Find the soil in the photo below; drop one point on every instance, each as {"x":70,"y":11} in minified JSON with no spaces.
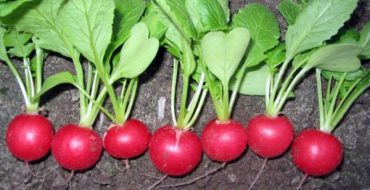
{"x":62,"y":104}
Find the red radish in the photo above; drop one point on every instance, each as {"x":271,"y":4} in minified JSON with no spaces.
{"x":269,"y":137}
{"x":29,"y":136}
{"x":127,"y":141}
{"x":224,"y":141}
{"x":76,"y":148}
{"x":174,"y":151}
{"x":316,"y":153}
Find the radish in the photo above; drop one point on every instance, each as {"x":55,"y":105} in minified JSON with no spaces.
{"x":269,"y":137}
{"x":174,"y":151}
{"x":76,"y":148}
{"x":28,"y":137}
{"x":127,"y":141}
{"x":317,"y":152}
{"x":223,"y":139}
{"x":29,"y":134}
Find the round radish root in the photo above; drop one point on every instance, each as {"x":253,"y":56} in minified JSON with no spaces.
{"x":127,"y":141}
{"x":269,"y":137}
{"x":224,"y":141}
{"x":175,"y":152}
{"x":76,"y":148}
{"x":29,"y":137}
{"x":316,"y":153}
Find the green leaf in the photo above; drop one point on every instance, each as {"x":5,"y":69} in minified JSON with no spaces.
{"x":222,"y":52}
{"x":6,"y":7}
{"x":225,"y":7}
{"x":64,"y":77}
{"x":88,"y":25}
{"x":206,"y":15}
{"x":156,"y":28}
{"x":177,"y":13}
{"x":276,"y":56}
{"x":350,"y":76}
{"x":318,"y":21}
{"x":3,"y":54}
{"x":18,"y":43}
{"x":337,"y":57}
{"x":264,"y":30}
{"x":254,"y":82}
{"x":126,"y":15}
{"x":347,"y":36}
{"x":365,"y":41}
{"x":300,"y":59}
{"x":290,"y":10}
{"x":41,"y":19}
{"x":137,"y":53}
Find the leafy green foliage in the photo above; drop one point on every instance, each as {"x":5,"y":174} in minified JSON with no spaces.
{"x":152,"y":20}
{"x":337,"y":57}
{"x":126,"y":15}
{"x":222,"y":52}
{"x":6,"y":7}
{"x":365,"y":41}
{"x":64,"y":77}
{"x":340,"y":95}
{"x":18,"y":43}
{"x":137,"y":53}
{"x":41,"y":19}
{"x":207,"y":15}
{"x":3,"y":54}
{"x":88,"y":25}
{"x":177,"y":13}
{"x":276,"y":56}
{"x":290,"y":10}
{"x":318,"y":21}
{"x":264,"y":30}
{"x":254,"y":82}
{"x":347,"y":35}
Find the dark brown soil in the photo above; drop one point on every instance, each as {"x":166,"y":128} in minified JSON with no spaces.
{"x":62,"y":103}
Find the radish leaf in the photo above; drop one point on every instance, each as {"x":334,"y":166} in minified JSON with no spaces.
{"x":225,"y":6}
{"x":177,"y":13}
{"x":3,"y":54}
{"x":206,"y":15}
{"x":6,"y":7}
{"x":222,"y":52}
{"x":365,"y":41}
{"x":264,"y":31}
{"x":42,"y":20}
{"x":88,"y":24}
{"x":318,"y":21}
{"x":337,"y":57}
{"x":152,"y":20}
{"x":18,"y":43}
{"x":290,"y":10}
{"x":137,"y":53}
{"x":64,"y":77}
{"x":254,"y":82}
{"x":126,"y":15}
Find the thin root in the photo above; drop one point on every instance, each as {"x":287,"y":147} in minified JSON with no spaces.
{"x":303,"y":180}
{"x":157,"y":182}
{"x":38,"y":175}
{"x":259,"y":174}
{"x":208,"y":173}
{"x":124,"y":162}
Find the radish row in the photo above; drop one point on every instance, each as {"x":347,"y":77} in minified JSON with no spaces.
{"x":213,"y":53}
